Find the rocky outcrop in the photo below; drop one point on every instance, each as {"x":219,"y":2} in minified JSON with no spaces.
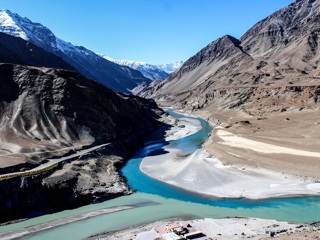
{"x":80,"y":181}
{"x":46,"y":113}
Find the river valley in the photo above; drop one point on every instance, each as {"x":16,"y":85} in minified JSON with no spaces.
{"x":156,"y":200}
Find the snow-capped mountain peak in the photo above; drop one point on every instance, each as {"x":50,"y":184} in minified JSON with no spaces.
{"x":153,"y":72}
{"x":9,"y":24}
{"x":15,"y":25}
{"x":171,"y":67}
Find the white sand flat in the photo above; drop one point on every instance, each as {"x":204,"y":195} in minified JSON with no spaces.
{"x":200,"y":173}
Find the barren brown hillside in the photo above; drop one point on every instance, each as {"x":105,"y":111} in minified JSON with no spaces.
{"x":265,"y":86}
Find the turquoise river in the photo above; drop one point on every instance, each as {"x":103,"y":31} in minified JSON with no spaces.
{"x":155,"y":200}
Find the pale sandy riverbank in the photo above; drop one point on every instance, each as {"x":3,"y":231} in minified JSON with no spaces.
{"x":286,"y":142}
{"x":182,"y":127}
{"x":224,"y":229}
{"x":205,"y":174}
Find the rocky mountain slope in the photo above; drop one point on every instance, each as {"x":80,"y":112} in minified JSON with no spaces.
{"x":273,"y":67}
{"x":86,"y":62}
{"x":262,"y":90}
{"x":46,"y":113}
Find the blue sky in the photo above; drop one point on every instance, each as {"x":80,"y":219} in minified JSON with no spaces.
{"x":154,"y":31}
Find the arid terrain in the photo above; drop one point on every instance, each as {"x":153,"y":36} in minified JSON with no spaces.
{"x":287,"y":142}
{"x":260,"y":92}
{"x":225,"y":229}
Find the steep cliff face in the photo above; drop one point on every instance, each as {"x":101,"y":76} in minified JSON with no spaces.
{"x":280,"y":52}
{"x":47,"y":113}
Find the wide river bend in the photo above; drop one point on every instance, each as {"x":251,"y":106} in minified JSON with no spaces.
{"x":155,"y":200}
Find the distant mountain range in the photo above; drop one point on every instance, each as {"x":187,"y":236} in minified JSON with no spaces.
{"x":117,"y":77}
{"x":170,"y":67}
{"x":153,"y":72}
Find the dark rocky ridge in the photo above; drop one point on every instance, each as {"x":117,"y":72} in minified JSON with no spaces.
{"x":48,"y":112}
{"x":18,"y":51}
{"x":278,"y":53}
